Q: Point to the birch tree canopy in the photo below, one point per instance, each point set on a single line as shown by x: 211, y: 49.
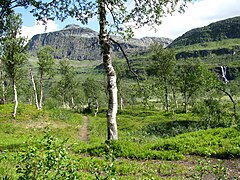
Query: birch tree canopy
x: 122, y: 15
x: 118, y: 16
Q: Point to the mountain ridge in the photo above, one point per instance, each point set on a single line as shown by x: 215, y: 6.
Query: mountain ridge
x: 80, y: 43
x: 216, y: 31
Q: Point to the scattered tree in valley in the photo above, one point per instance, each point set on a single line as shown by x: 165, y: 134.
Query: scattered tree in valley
x: 194, y: 77
x: 46, y: 64
x: 67, y: 83
x: 91, y: 90
x: 164, y: 69
x: 14, y: 52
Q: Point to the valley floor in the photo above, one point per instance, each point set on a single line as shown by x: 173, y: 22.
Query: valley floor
x: 80, y: 139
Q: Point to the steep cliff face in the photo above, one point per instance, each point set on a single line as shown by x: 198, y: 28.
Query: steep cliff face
x: 77, y: 43
x: 72, y: 42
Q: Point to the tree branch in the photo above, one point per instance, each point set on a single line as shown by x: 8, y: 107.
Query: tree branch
x: 128, y: 63
x: 228, y: 94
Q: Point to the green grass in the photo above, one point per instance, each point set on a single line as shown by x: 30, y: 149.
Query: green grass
x: 142, y: 135
x: 31, y: 122
x: 140, y: 154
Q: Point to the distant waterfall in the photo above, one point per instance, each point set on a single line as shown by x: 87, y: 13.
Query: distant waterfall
x: 224, y: 72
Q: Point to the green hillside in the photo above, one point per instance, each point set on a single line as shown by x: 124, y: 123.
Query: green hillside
x: 217, y: 43
x: 225, y: 29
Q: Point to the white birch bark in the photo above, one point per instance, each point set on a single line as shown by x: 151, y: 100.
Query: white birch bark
x: 97, y: 107
x: 3, y: 89
x: 175, y: 98
x: 2, y: 82
x: 111, y: 74
x: 41, y: 93
x: 121, y: 103
x: 15, y: 100
x: 35, y: 90
x: 112, y: 108
x: 30, y: 100
x: 73, y: 103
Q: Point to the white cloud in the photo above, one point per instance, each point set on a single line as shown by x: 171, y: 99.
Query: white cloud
x: 39, y: 28
x: 198, y: 14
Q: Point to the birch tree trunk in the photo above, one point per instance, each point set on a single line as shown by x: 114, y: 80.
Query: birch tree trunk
x: 121, y: 103
x: 111, y: 74
x: 35, y: 90
x: 15, y: 99
x: 3, y: 89
x: 186, y: 103
x: 166, y: 99
x: 97, y: 107
x: 63, y: 102
x: 41, y: 92
x: 73, y: 103
x: 2, y: 82
x: 174, y: 97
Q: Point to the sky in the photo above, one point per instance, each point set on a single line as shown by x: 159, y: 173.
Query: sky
x: 198, y: 14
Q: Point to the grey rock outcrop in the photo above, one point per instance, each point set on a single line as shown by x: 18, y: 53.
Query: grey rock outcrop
x: 78, y: 43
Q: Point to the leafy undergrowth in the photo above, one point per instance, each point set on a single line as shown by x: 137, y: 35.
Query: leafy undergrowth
x: 221, y: 143
x: 140, y: 153
x: 172, y: 138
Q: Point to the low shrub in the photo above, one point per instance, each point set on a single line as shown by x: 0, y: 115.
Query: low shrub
x: 47, y: 159
x: 133, y: 151
x: 220, y: 143
x: 172, y: 128
x: 206, y: 170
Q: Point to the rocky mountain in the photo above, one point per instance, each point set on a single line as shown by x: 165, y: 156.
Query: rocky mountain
x: 78, y: 43
x: 225, y: 29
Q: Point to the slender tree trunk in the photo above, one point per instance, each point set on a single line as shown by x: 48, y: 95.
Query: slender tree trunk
x: 121, y: 103
x: 34, y: 90
x: 3, y: 89
x: 63, y: 101
x: 166, y: 99
x: 15, y: 99
x: 89, y: 104
x: 97, y: 107
x: 186, y: 103
x: 41, y: 92
x: 3, y: 86
x: 30, y: 100
x: 73, y: 103
x: 174, y: 97
x: 111, y: 74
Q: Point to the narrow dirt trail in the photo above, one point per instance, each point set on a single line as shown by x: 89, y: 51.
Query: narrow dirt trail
x: 84, y: 131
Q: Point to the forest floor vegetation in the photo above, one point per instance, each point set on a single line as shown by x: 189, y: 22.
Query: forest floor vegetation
x: 55, y: 143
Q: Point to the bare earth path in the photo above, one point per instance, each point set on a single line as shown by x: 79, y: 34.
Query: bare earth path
x: 84, y: 131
